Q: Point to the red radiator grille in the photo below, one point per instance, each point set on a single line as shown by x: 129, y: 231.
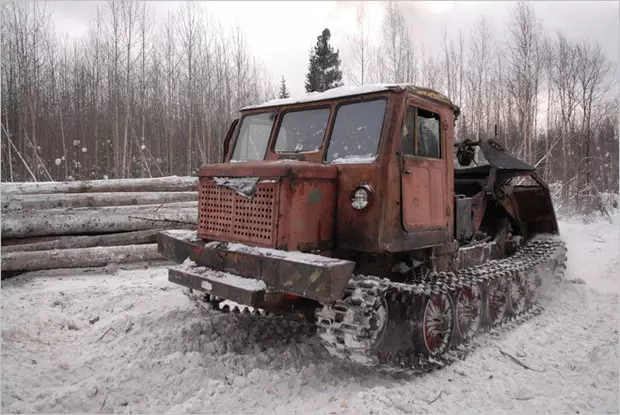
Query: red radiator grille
x: 224, y: 215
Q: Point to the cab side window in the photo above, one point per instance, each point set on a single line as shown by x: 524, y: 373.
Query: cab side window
x: 408, y: 132
x: 428, y: 134
x: 421, y: 133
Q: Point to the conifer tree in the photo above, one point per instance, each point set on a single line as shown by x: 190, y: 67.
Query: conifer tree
x: 324, y: 67
x: 283, y: 89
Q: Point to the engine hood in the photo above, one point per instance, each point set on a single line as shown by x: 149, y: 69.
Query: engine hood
x: 267, y: 169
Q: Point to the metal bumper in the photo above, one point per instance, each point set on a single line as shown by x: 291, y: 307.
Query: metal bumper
x: 305, y: 275
x: 227, y: 286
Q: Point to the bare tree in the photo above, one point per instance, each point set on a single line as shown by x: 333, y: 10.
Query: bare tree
x: 430, y: 73
x: 565, y: 78
x: 479, y: 57
x: 525, y: 65
x: 171, y: 67
x: 127, y: 100
x: 359, y: 48
x: 190, y: 35
x: 396, y: 45
x: 143, y: 95
x: 594, y: 69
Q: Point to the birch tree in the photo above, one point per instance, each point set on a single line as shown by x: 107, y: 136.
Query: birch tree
x: 359, y: 48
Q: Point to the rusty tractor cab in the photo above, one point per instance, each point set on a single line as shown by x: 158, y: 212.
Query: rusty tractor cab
x: 356, y: 182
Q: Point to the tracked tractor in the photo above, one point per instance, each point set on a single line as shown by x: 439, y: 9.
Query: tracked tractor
x: 359, y: 210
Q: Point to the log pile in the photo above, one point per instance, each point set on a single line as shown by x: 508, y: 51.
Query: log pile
x: 50, y: 225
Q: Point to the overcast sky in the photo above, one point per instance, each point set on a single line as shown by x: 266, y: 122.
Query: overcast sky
x: 281, y: 33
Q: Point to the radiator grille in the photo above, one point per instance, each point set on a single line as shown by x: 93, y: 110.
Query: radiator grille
x: 224, y: 215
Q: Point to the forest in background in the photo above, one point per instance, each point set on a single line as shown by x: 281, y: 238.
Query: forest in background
x: 144, y: 96
x: 552, y: 101
x: 136, y: 97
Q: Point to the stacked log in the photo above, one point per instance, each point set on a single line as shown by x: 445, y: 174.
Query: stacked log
x: 91, y: 223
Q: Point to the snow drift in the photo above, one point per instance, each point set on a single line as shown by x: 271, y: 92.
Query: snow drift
x: 127, y: 340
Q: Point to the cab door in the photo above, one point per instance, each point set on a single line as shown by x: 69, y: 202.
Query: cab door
x: 423, y: 170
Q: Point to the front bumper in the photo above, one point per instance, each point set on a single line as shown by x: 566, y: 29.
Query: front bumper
x: 245, y: 274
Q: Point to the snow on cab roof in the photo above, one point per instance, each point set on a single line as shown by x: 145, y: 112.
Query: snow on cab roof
x: 346, y: 91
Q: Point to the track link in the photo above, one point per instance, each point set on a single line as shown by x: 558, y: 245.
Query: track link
x: 355, y: 328
x: 213, y: 303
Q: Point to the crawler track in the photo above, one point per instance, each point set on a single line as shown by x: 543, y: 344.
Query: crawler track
x: 379, y: 323
x: 356, y: 327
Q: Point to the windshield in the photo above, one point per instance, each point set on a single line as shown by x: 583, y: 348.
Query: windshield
x: 253, y: 137
x: 356, y: 132
x: 302, y: 131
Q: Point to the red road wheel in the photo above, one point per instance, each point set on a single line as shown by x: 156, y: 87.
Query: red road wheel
x: 378, y: 323
x: 468, y: 311
x: 518, y: 293
x: 533, y: 284
x: 497, y: 300
x: 437, y: 324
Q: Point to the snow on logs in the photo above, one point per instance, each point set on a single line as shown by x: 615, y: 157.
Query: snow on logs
x: 97, y: 256
x: 95, y: 220
x: 17, y: 202
x: 159, y: 184
x: 50, y: 225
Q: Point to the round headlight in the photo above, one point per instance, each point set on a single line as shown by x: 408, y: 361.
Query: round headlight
x: 360, y: 198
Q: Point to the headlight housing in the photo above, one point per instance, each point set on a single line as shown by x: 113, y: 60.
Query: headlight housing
x: 361, y: 196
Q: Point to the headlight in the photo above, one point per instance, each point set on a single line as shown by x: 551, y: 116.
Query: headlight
x: 359, y: 199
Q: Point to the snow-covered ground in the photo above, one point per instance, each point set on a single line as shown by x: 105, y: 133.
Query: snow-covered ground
x: 129, y: 341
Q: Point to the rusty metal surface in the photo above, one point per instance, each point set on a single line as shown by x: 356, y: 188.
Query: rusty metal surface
x: 169, y: 247
x: 224, y: 215
x: 474, y: 255
x: 287, y: 213
x: 446, y: 256
x: 358, y: 230
x: 423, y: 193
x: 322, y: 282
x: 317, y: 280
x: 425, y: 202
x: 479, y: 205
x: 231, y: 131
x: 438, y: 229
x: 293, y: 207
x: 549, y: 209
x: 464, y: 226
x: 314, y: 212
x: 303, y: 204
x: 201, y: 282
x: 534, y: 210
x: 378, y: 227
x: 265, y: 169
x: 185, y: 279
x: 306, y: 216
x: 365, y: 230
x: 412, y: 89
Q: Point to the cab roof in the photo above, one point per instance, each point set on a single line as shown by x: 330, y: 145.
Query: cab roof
x: 348, y: 91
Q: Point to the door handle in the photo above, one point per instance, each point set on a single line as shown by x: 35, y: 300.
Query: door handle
x: 408, y: 172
